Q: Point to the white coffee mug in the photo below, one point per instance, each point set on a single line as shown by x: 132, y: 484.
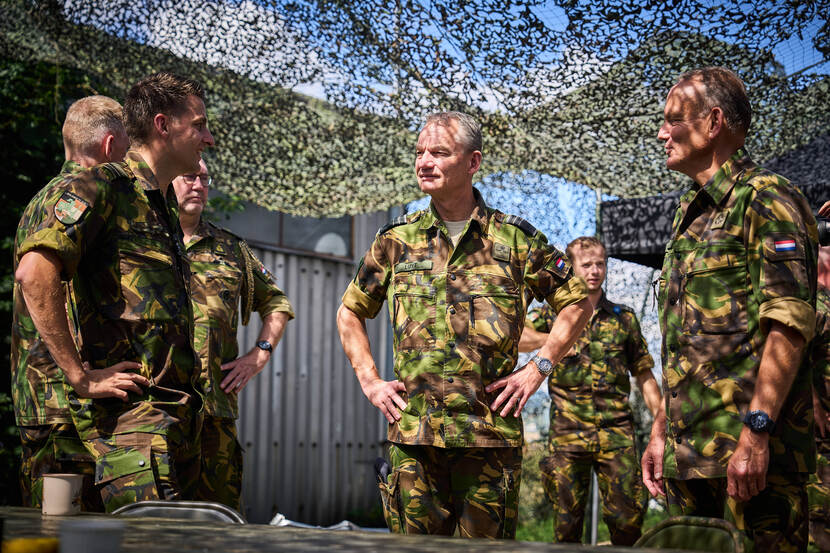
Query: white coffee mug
x: 62, y: 494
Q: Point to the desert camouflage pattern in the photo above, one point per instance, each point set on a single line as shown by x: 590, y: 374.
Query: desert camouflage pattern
x: 457, y: 314
x: 566, y: 477
x: 436, y: 490
x: 55, y: 448
x: 221, y: 474
x: 590, y: 386
x: 225, y: 273
x: 818, y: 487
x: 775, y: 520
x: 743, y: 252
x: 143, y: 466
x: 37, y: 383
x: 120, y: 244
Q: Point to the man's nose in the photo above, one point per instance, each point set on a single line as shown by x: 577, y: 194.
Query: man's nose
x: 663, y: 133
x: 208, y: 139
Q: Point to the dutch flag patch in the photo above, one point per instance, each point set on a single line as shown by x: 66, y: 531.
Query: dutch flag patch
x: 560, y: 263
x: 784, y: 246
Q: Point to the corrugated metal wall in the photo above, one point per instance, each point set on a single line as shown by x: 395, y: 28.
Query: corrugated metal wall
x: 310, y: 435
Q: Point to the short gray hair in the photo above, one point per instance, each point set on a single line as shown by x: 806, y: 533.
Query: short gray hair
x: 469, y: 130
x: 725, y: 90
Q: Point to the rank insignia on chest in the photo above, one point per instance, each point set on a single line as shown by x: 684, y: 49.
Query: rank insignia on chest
x: 220, y: 249
x: 719, y: 219
x: 501, y: 252
x: 70, y: 208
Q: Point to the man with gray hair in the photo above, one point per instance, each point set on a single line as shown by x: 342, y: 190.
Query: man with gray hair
x: 456, y: 277
x: 737, y: 304
x: 93, y: 133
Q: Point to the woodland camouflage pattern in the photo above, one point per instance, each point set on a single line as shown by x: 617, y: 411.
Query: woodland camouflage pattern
x: 818, y: 487
x: 773, y: 521
x: 723, y: 279
x: 125, y: 257
x: 224, y: 272
x: 591, y: 423
x: 431, y: 490
x: 37, y: 382
x: 457, y: 315
x: 589, y: 387
x: 566, y: 478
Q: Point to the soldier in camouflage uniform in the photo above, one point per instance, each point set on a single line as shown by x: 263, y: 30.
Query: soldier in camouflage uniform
x: 113, y: 231
x: 734, y: 438
x: 818, y: 487
x: 455, y: 276
x: 591, y: 423
x: 224, y: 274
x: 93, y: 133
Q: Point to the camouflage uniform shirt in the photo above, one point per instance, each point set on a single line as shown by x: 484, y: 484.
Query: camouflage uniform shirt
x: 37, y: 383
x: 589, y: 388
x: 743, y: 252
x: 225, y: 272
x: 457, y: 314
x: 119, y: 241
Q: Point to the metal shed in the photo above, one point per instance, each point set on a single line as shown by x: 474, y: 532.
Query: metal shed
x: 309, y: 434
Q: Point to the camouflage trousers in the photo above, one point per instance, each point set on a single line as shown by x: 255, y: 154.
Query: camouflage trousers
x: 140, y: 466
x: 221, y: 474
x: 433, y: 490
x: 818, y: 496
x: 774, y: 520
x: 566, y: 476
x: 55, y: 448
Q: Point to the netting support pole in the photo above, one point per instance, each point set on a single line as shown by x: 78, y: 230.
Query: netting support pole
x: 598, y: 214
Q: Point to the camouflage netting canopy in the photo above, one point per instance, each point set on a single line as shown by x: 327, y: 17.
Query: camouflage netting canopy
x: 563, y: 88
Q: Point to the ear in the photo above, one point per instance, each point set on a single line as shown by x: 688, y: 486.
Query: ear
x: 106, y: 146
x: 716, y: 122
x: 475, y: 162
x: 160, y: 123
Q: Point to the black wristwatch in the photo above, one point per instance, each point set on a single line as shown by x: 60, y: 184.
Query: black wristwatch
x: 544, y: 366
x: 759, y: 421
x: 266, y: 345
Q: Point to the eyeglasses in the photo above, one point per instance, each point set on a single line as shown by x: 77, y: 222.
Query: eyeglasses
x: 191, y: 178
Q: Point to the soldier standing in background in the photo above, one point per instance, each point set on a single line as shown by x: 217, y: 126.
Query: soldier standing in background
x: 734, y: 438
x: 93, y: 133
x: 455, y: 276
x: 114, y: 232
x: 591, y: 423
x: 224, y: 274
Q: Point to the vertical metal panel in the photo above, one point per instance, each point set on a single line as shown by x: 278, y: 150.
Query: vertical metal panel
x: 309, y: 434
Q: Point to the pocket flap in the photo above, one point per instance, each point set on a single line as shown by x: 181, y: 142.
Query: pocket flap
x: 122, y: 461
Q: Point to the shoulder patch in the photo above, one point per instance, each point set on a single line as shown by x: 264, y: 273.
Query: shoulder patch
x: 398, y: 221
x: 70, y: 208
x: 525, y: 227
x: 112, y: 171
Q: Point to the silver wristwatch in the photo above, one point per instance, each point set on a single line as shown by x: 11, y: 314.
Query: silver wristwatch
x: 544, y: 366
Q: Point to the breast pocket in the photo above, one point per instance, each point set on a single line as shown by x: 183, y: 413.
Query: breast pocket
x: 413, y: 312
x: 495, y: 314
x: 223, y: 284
x: 715, y: 293
x: 148, y: 280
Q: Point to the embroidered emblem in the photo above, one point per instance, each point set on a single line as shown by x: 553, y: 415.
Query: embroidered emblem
x: 501, y: 252
x: 70, y: 208
x: 560, y: 264
x: 785, y: 245
x: 719, y: 219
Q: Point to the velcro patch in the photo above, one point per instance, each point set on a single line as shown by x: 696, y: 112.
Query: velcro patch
x: 413, y: 266
x: 781, y: 246
x: 70, y: 208
x: 501, y: 252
